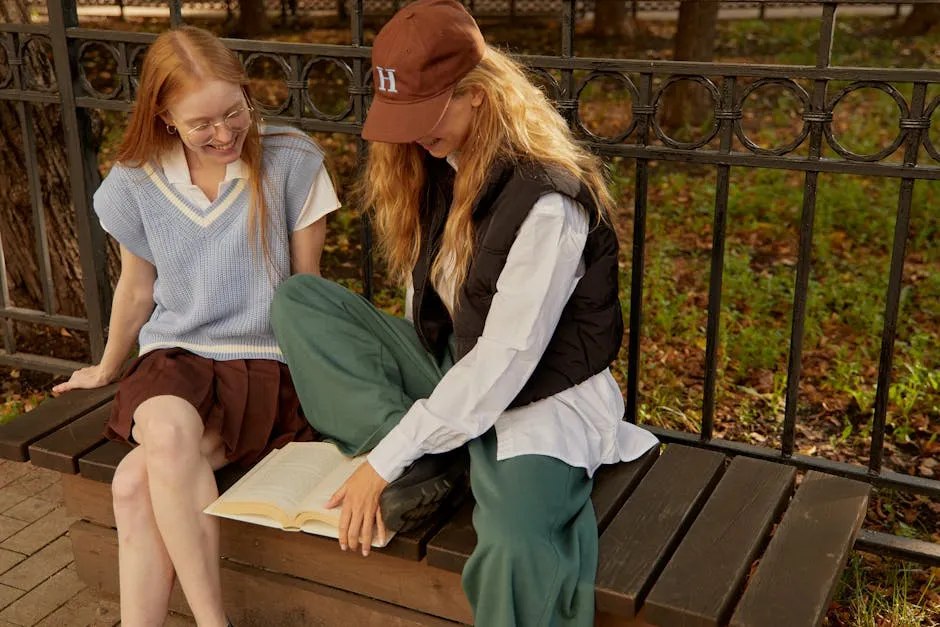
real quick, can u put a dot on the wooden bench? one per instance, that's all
(687, 537)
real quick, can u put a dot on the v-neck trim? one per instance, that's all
(215, 209)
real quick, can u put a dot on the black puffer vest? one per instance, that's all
(588, 336)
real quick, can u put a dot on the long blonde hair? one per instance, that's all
(515, 122)
(178, 61)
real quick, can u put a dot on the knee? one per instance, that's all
(172, 429)
(130, 491)
(303, 297)
(288, 296)
(507, 534)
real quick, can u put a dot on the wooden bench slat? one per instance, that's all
(17, 435)
(795, 580)
(451, 547)
(635, 546)
(253, 596)
(704, 577)
(613, 483)
(413, 545)
(99, 463)
(62, 449)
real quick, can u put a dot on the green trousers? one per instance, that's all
(357, 371)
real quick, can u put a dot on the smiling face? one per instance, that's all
(207, 104)
(450, 134)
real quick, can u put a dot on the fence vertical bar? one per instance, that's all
(568, 103)
(359, 92)
(719, 235)
(176, 13)
(25, 113)
(643, 112)
(817, 117)
(83, 175)
(9, 337)
(35, 200)
(915, 126)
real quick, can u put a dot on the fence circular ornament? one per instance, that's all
(903, 113)
(111, 76)
(6, 68)
(265, 60)
(793, 88)
(628, 86)
(135, 64)
(306, 80)
(543, 79)
(928, 143)
(29, 54)
(712, 90)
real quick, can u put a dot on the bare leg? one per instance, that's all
(180, 461)
(146, 572)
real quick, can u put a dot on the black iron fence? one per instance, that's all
(490, 8)
(911, 157)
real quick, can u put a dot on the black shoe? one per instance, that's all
(423, 488)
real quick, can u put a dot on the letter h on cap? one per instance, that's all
(386, 80)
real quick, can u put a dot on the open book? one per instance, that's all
(289, 488)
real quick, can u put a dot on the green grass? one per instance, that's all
(885, 593)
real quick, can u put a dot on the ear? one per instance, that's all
(166, 119)
(477, 96)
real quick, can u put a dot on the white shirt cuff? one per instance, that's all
(393, 454)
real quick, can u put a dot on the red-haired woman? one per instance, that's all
(212, 211)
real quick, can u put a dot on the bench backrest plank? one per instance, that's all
(17, 435)
(613, 483)
(61, 449)
(704, 577)
(795, 580)
(644, 533)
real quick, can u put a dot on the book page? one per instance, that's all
(286, 479)
(333, 481)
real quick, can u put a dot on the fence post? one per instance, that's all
(83, 175)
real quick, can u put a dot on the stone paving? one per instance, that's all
(39, 586)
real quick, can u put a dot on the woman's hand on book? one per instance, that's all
(360, 519)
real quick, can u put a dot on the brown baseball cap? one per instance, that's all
(418, 58)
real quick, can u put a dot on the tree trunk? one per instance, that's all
(921, 19)
(17, 233)
(612, 19)
(252, 18)
(695, 41)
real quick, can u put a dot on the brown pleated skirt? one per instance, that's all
(251, 402)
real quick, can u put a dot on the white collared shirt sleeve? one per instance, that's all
(543, 267)
(320, 201)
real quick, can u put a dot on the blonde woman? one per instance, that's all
(212, 212)
(498, 221)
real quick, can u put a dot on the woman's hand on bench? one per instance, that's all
(86, 379)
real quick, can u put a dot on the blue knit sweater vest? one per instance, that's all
(213, 290)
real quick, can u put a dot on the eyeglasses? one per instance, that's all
(236, 121)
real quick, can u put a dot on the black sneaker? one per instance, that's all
(423, 488)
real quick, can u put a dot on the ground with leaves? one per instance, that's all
(852, 246)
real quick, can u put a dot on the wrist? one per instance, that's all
(108, 370)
